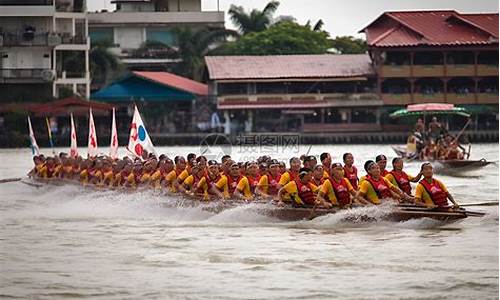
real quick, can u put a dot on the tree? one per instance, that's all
(349, 45)
(103, 63)
(318, 26)
(281, 38)
(256, 20)
(192, 46)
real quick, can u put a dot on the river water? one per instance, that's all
(67, 242)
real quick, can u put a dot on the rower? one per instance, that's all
(317, 177)
(381, 160)
(310, 162)
(300, 190)
(191, 160)
(350, 171)
(326, 162)
(400, 178)
(48, 170)
(269, 183)
(213, 183)
(337, 189)
(180, 169)
(247, 184)
(67, 169)
(432, 192)
(190, 184)
(376, 188)
(39, 162)
(234, 177)
(292, 173)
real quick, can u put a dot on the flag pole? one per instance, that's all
(51, 142)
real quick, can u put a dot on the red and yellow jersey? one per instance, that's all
(366, 189)
(421, 194)
(329, 193)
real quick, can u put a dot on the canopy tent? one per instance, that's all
(430, 109)
(61, 107)
(151, 87)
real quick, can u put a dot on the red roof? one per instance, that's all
(432, 28)
(61, 107)
(178, 82)
(288, 66)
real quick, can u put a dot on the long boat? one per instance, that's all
(394, 213)
(457, 165)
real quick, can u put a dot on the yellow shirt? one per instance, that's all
(326, 175)
(328, 192)
(57, 170)
(285, 179)
(366, 188)
(264, 184)
(221, 185)
(109, 178)
(169, 181)
(130, 180)
(145, 178)
(421, 194)
(392, 179)
(244, 187)
(84, 176)
(293, 192)
(182, 176)
(155, 180)
(188, 182)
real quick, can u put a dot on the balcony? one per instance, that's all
(40, 74)
(487, 98)
(428, 70)
(487, 70)
(29, 40)
(460, 70)
(191, 17)
(395, 71)
(27, 9)
(461, 98)
(396, 99)
(427, 98)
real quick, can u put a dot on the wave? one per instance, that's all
(74, 203)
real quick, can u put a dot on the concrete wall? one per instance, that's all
(14, 24)
(185, 5)
(129, 37)
(26, 58)
(131, 7)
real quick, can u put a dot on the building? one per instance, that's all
(304, 93)
(168, 102)
(414, 57)
(44, 48)
(436, 56)
(135, 22)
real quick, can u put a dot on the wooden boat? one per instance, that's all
(450, 165)
(394, 213)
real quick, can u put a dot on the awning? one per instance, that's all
(62, 107)
(431, 109)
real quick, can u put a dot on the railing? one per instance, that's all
(26, 2)
(30, 39)
(298, 97)
(66, 75)
(66, 38)
(45, 74)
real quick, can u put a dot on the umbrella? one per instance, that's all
(430, 108)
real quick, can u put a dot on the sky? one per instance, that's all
(341, 17)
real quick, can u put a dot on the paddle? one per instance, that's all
(10, 180)
(488, 203)
(410, 207)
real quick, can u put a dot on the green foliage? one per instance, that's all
(282, 38)
(103, 63)
(349, 45)
(256, 20)
(193, 46)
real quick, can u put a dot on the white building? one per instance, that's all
(36, 38)
(136, 21)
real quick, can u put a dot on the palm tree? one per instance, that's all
(103, 63)
(317, 27)
(254, 21)
(192, 46)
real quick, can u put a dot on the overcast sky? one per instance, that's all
(341, 17)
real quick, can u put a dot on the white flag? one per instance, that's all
(73, 151)
(139, 138)
(92, 148)
(113, 149)
(34, 146)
